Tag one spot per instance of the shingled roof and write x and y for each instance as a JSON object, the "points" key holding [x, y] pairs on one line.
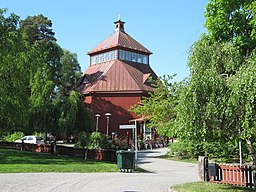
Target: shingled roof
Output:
{"points": [[119, 39], [116, 76]]}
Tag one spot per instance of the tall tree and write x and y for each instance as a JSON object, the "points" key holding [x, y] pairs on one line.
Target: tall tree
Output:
{"points": [[74, 117], [218, 101], [14, 74], [69, 72], [37, 77], [242, 103], [202, 117], [232, 21], [45, 52], [160, 106], [37, 29], [44, 74]]}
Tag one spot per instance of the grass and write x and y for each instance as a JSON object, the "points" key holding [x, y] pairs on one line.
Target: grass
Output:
{"points": [[178, 158], [14, 161], [208, 187]]}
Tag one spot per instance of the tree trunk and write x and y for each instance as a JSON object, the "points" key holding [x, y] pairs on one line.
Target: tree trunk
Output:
{"points": [[53, 148], [85, 153], [251, 150]]}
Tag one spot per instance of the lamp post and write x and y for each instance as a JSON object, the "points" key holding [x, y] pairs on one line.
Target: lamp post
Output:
{"points": [[97, 121], [107, 115], [240, 149]]}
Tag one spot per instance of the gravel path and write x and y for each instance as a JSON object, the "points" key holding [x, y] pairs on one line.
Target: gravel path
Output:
{"points": [[162, 174]]}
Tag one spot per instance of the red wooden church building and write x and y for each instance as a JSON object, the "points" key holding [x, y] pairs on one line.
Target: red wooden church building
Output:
{"points": [[117, 78]]}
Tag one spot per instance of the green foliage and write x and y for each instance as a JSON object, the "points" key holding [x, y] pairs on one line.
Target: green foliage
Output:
{"points": [[204, 100], [184, 149], [178, 149], [43, 118], [205, 112], [217, 102], [222, 151], [37, 29], [11, 137], [232, 21], [160, 106], [84, 140], [37, 76], [69, 72], [14, 74], [75, 117], [39, 134], [242, 100], [45, 56], [115, 144], [98, 141], [68, 107], [84, 117]]}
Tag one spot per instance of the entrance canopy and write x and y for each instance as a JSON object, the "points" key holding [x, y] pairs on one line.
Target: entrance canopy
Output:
{"points": [[141, 119]]}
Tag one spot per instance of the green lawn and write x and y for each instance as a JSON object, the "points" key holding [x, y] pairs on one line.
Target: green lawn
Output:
{"points": [[15, 161], [208, 187]]}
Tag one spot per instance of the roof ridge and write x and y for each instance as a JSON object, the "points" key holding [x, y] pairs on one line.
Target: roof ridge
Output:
{"points": [[118, 37], [145, 49], [93, 50], [134, 79], [117, 61]]}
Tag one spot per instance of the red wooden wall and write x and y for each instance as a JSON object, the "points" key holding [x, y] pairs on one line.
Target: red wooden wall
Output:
{"points": [[118, 105]]}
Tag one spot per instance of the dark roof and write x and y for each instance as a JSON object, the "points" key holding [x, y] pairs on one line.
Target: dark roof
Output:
{"points": [[116, 76], [119, 39]]}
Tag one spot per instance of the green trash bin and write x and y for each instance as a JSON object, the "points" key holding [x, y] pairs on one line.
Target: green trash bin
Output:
{"points": [[125, 160]]}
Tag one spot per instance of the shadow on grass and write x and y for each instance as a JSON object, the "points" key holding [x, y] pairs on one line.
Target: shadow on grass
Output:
{"points": [[10, 156], [236, 188]]}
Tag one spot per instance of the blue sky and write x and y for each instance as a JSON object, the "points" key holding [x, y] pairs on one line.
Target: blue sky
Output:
{"points": [[166, 27]]}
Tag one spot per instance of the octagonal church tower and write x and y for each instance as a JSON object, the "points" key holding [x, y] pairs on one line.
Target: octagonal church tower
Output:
{"points": [[118, 77]]}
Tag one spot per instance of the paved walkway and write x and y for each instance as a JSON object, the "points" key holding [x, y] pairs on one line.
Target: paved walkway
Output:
{"points": [[161, 175]]}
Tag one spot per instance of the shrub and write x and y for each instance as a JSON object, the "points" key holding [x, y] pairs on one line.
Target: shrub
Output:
{"points": [[39, 134], [225, 151], [115, 143], [83, 140], [184, 149], [11, 137], [98, 141], [177, 149], [220, 151]]}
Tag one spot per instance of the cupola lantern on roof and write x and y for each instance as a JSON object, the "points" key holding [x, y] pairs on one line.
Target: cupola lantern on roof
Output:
{"points": [[119, 25], [119, 45]]}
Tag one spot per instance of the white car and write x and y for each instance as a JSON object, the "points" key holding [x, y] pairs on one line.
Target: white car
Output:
{"points": [[30, 139]]}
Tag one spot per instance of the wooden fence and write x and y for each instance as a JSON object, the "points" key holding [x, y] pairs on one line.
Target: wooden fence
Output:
{"points": [[44, 148], [94, 154], [233, 175]]}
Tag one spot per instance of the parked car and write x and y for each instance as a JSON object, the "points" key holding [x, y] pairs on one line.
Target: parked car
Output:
{"points": [[30, 139]]}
